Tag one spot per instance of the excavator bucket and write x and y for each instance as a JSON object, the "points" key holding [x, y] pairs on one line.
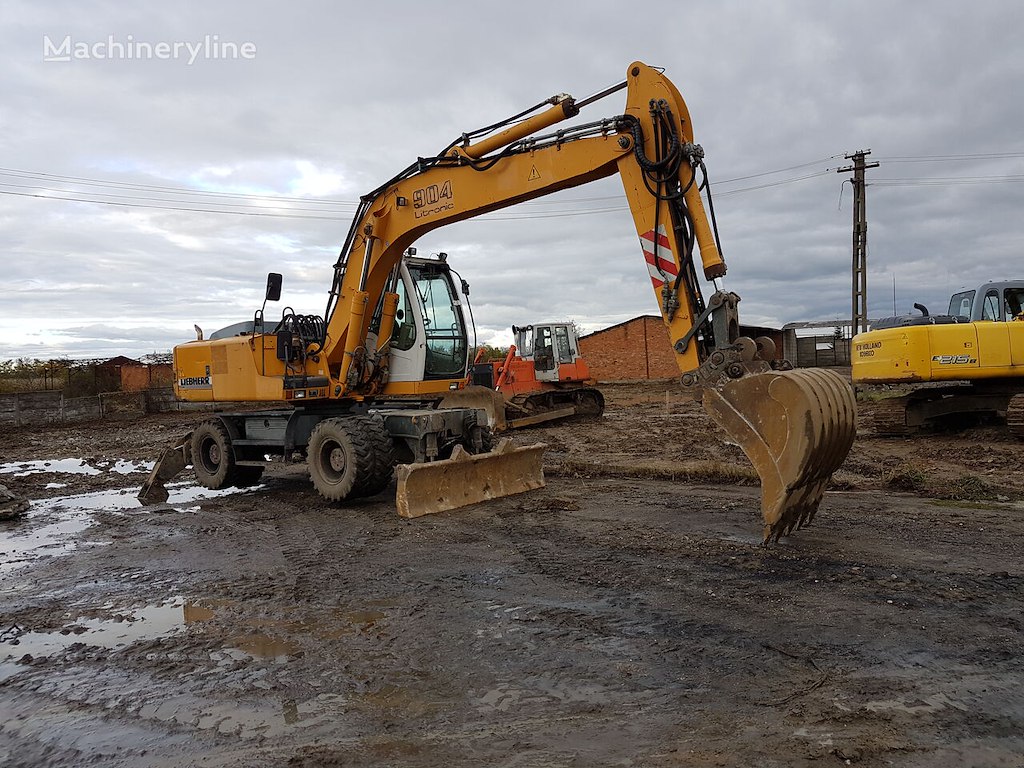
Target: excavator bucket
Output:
{"points": [[796, 427], [483, 399], [465, 479], [173, 459]]}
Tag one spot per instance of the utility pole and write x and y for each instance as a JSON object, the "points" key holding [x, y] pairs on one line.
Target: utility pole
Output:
{"points": [[859, 314]]}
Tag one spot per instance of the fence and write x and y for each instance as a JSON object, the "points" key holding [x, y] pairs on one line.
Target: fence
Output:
{"points": [[29, 408], [822, 351]]}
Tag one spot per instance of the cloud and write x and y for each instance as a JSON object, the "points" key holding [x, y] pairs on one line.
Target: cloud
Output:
{"points": [[339, 98]]}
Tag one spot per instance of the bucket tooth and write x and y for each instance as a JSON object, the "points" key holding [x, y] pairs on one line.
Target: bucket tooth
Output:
{"points": [[796, 427], [465, 478]]}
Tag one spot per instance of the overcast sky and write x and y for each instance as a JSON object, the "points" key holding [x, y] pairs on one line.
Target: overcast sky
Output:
{"points": [[315, 103]]}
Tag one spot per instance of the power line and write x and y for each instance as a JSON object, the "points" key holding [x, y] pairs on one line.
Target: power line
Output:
{"points": [[780, 170], [168, 207], [947, 158], [150, 199], [192, 200], [84, 181], [938, 181], [184, 199], [779, 183]]}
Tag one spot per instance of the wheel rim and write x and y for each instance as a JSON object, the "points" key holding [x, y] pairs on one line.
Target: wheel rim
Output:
{"points": [[210, 455], [333, 461]]}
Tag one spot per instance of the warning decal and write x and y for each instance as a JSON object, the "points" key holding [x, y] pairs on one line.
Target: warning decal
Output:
{"points": [[660, 263]]}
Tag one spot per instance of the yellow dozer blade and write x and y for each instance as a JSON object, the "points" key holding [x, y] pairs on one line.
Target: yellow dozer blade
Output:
{"points": [[464, 479], [796, 427]]}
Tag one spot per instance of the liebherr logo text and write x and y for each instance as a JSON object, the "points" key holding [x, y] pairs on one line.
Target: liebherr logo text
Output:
{"points": [[432, 200], [194, 382]]}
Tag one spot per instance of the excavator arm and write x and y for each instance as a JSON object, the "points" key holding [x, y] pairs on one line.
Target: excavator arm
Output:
{"points": [[650, 146], [796, 427]]}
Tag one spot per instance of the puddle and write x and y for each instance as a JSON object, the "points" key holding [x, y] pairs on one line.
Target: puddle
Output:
{"points": [[63, 466], [925, 705], [138, 624], [18, 547], [261, 719], [147, 623], [261, 646], [75, 467], [51, 526], [124, 467]]}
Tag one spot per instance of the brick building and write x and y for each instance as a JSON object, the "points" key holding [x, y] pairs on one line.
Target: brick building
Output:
{"points": [[640, 349], [636, 349], [127, 375]]}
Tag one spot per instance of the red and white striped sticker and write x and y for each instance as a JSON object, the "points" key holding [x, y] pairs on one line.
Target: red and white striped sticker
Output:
{"points": [[658, 254]]}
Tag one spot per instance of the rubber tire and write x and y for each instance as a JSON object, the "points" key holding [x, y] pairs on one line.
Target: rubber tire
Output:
{"points": [[213, 459], [340, 457], [486, 440], [383, 457]]}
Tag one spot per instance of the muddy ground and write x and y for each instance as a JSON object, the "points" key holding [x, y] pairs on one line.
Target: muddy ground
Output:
{"points": [[625, 615]]}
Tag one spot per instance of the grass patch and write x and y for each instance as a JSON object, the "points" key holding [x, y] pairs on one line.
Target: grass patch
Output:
{"points": [[969, 488], [714, 472], [871, 395], [904, 477], [968, 504]]}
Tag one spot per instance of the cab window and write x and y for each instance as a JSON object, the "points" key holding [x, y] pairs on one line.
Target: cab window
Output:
{"points": [[543, 350], [562, 344], [1013, 303], [960, 305], [991, 308], [442, 321]]}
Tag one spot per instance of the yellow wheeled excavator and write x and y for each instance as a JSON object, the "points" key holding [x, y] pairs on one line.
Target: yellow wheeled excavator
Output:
{"points": [[361, 384]]}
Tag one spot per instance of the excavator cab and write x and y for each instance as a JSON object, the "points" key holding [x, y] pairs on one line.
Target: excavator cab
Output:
{"points": [[429, 340], [552, 348]]}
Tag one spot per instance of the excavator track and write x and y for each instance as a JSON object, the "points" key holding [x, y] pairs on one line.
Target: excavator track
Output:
{"points": [[1015, 416], [796, 427], [529, 409], [888, 417], [585, 401]]}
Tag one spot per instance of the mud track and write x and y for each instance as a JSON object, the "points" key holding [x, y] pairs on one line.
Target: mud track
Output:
{"points": [[624, 615]]}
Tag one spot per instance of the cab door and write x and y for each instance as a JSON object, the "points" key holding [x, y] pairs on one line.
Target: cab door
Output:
{"points": [[408, 347], [430, 341]]}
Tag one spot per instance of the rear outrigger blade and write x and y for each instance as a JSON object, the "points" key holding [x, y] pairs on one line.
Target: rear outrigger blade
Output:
{"points": [[796, 427], [465, 478], [173, 459]]}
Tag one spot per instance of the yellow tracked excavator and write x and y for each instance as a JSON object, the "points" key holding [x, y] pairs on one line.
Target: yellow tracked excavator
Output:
{"points": [[360, 386], [966, 366]]}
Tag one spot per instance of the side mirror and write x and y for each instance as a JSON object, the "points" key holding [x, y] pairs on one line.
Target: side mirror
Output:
{"points": [[273, 287]]}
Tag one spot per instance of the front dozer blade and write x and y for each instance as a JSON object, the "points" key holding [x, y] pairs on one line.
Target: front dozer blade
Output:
{"points": [[173, 459], [464, 479], [796, 427]]}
